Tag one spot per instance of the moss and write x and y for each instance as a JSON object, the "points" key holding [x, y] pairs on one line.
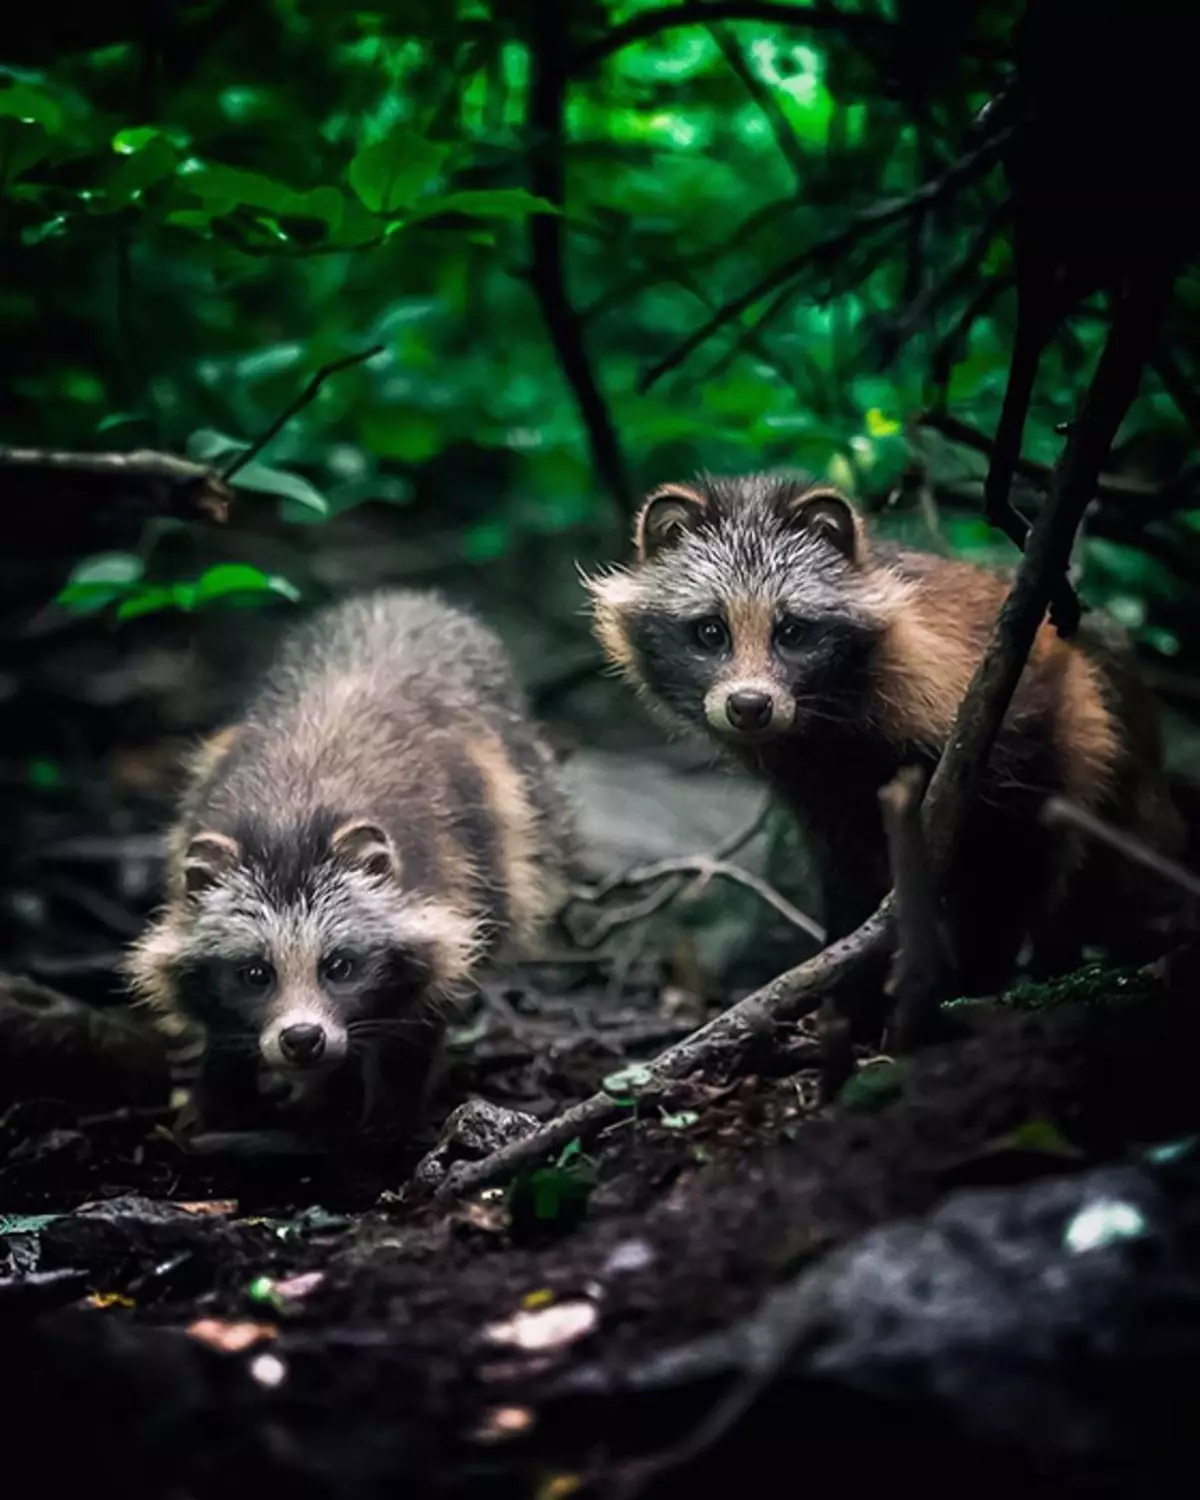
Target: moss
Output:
{"points": [[1094, 986]]}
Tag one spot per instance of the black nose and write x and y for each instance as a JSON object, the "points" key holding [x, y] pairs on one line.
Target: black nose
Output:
{"points": [[302, 1044], [748, 710]]}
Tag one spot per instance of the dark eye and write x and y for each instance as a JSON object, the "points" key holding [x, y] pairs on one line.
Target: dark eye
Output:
{"points": [[257, 976], [338, 967], [710, 633], [790, 635]]}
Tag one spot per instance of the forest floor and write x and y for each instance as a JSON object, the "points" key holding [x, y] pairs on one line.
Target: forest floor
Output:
{"points": [[224, 1327], [184, 1327]]}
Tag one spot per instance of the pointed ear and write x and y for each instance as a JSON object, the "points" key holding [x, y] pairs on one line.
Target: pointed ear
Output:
{"points": [[365, 846], [663, 519], [209, 857], [831, 517]]}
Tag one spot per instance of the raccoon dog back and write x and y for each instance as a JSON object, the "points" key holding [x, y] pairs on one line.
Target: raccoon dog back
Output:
{"points": [[383, 816]]}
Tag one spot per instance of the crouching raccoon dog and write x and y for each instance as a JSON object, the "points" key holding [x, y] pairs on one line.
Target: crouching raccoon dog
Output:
{"points": [[383, 818], [761, 610]]}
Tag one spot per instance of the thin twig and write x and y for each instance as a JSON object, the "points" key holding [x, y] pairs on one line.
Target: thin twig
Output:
{"points": [[785, 137], [918, 980], [1060, 812], [309, 393], [705, 869], [638, 911], [931, 297], [648, 23], [1113, 487], [875, 216], [547, 249]]}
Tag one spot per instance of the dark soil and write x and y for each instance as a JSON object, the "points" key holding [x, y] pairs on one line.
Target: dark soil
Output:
{"points": [[380, 1370]]}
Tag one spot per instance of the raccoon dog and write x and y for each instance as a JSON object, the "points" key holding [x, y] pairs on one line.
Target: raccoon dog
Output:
{"points": [[761, 610], [382, 818]]}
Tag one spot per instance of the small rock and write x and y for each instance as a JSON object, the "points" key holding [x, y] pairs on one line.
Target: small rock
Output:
{"points": [[629, 1255], [474, 1130]]}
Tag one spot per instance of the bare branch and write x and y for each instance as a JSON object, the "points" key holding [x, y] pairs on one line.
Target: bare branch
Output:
{"points": [[144, 482], [1044, 565], [857, 959], [308, 394], [918, 981], [785, 137], [547, 249], [1116, 488], [705, 868], [875, 216], [648, 23]]}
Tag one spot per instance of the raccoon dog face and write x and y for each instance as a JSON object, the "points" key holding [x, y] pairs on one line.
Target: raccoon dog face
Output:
{"points": [[300, 940], [751, 609]]}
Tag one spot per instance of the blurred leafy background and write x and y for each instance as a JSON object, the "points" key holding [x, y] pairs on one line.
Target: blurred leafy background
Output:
{"points": [[600, 243]]}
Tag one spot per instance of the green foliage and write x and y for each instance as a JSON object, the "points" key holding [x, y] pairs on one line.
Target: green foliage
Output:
{"points": [[116, 578], [626, 1084], [196, 221], [553, 1197]]}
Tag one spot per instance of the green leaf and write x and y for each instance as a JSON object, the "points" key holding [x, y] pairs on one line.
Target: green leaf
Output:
{"points": [[22, 145], [150, 598], [139, 170], [875, 1085], [207, 446], [681, 1120], [1042, 1137], [97, 581], [388, 174], [21, 101], [25, 1223], [234, 185], [269, 481], [136, 138], [627, 1081], [240, 578], [486, 541], [119, 419], [484, 203], [44, 774]]}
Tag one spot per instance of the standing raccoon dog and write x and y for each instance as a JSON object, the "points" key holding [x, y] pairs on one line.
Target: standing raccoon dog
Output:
{"points": [[383, 817], [761, 610]]}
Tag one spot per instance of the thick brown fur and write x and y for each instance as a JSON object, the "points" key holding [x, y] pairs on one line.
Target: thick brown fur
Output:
{"points": [[769, 592], [384, 800]]}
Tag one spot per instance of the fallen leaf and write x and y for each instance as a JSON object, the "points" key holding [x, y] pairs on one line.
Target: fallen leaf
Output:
{"points": [[543, 1297], [110, 1299], [294, 1287], [503, 1422], [230, 1338], [547, 1328], [558, 1487]]}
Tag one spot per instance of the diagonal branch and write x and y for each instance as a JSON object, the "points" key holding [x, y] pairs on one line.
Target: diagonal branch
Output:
{"points": [[1044, 566], [876, 216], [785, 137], [309, 393], [547, 247]]}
